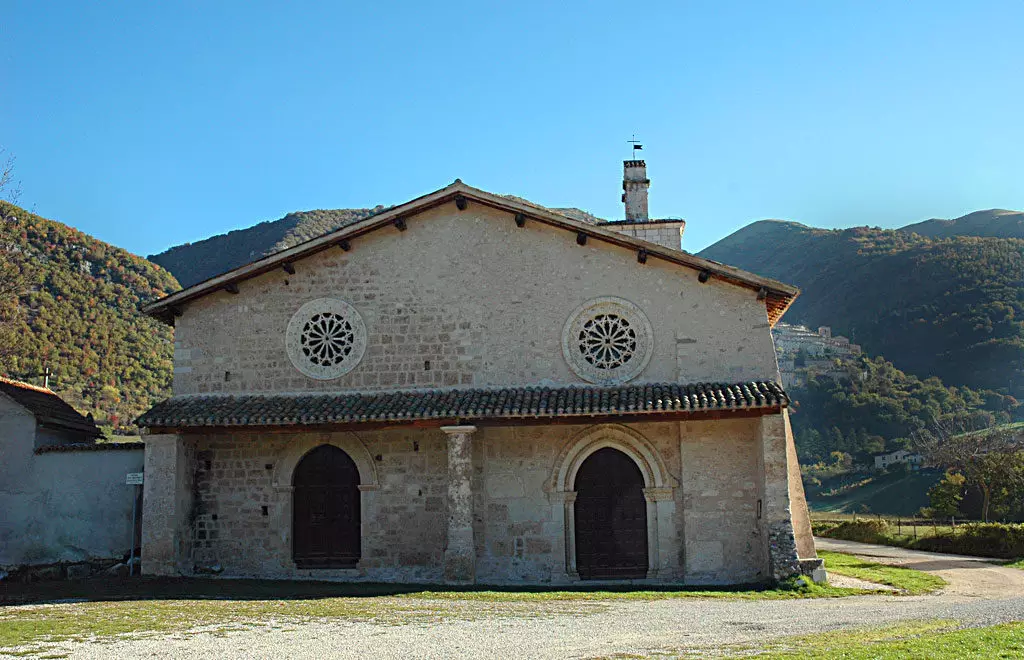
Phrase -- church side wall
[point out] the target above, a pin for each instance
(519, 519)
(469, 299)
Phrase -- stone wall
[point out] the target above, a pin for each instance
(468, 298)
(668, 233)
(704, 492)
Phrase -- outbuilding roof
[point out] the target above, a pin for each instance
(48, 408)
(568, 403)
(776, 295)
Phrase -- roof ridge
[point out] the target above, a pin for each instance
(26, 386)
(777, 294)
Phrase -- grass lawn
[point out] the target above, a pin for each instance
(908, 580)
(935, 640)
(1017, 564)
(34, 614)
(890, 494)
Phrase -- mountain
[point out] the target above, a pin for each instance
(192, 263)
(950, 307)
(994, 223)
(75, 310)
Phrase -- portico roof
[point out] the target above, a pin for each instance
(567, 404)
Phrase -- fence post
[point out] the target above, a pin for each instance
(899, 526)
(915, 528)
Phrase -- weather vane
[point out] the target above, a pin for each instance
(636, 145)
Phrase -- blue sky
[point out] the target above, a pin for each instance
(148, 126)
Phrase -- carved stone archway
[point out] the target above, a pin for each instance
(659, 487)
(284, 468)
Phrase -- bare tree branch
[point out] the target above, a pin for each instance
(8, 187)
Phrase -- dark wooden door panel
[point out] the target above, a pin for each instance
(611, 517)
(326, 515)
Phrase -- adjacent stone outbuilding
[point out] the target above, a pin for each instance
(469, 388)
(63, 498)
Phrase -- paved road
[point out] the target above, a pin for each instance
(979, 593)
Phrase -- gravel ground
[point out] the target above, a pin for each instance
(979, 594)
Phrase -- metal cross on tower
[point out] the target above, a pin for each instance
(636, 145)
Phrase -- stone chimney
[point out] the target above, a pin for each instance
(667, 232)
(635, 184)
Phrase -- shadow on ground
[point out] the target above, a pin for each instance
(149, 588)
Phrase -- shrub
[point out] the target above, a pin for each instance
(980, 539)
(865, 531)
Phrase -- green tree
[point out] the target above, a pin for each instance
(990, 459)
(945, 496)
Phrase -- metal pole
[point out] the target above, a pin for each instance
(135, 510)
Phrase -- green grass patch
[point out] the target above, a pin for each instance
(905, 579)
(935, 640)
(889, 494)
(1017, 564)
(33, 617)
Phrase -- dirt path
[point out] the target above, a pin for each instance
(979, 593)
(968, 577)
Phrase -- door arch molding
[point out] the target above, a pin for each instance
(659, 486)
(288, 458)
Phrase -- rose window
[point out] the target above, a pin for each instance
(607, 341)
(326, 338)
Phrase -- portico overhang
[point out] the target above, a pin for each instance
(570, 404)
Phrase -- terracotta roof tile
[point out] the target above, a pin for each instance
(464, 404)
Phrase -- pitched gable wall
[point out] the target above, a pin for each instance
(482, 300)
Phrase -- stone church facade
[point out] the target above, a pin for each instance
(471, 388)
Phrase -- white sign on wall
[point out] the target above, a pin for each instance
(134, 479)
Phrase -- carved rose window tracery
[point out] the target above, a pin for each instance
(326, 338)
(607, 341)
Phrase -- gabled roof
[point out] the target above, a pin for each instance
(777, 295)
(569, 404)
(49, 409)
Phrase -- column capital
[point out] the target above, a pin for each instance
(657, 494)
(459, 430)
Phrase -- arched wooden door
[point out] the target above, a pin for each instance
(611, 517)
(325, 514)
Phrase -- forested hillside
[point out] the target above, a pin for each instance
(194, 262)
(994, 223)
(78, 314)
(873, 407)
(951, 307)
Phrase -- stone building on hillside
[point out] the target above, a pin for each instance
(472, 388)
(804, 352)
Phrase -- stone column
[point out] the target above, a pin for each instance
(660, 513)
(460, 549)
(776, 516)
(167, 506)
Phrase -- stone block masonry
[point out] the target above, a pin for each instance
(490, 321)
(494, 506)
